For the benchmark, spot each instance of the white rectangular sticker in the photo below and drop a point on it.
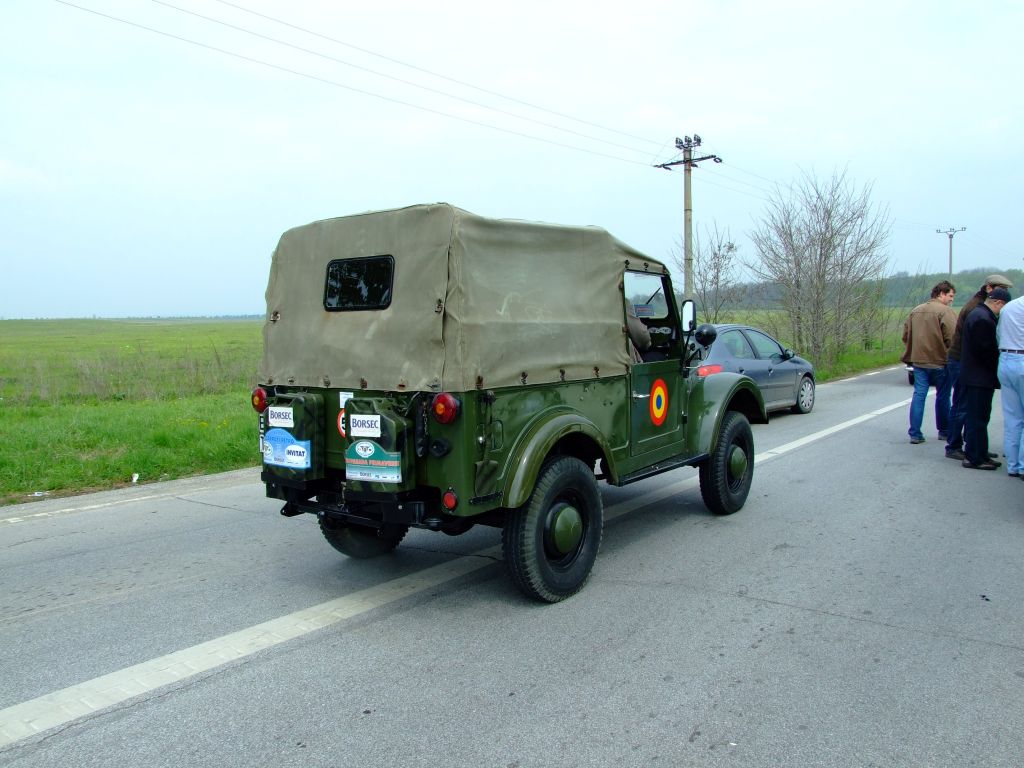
(280, 417)
(344, 397)
(364, 426)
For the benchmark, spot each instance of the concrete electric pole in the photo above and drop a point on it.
(951, 231)
(689, 162)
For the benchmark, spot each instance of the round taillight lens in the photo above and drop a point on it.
(259, 399)
(445, 408)
(450, 500)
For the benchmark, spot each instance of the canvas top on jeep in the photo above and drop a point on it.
(431, 297)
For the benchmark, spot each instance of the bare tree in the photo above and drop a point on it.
(822, 244)
(715, 272)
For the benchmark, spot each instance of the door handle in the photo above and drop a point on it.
(638, 396)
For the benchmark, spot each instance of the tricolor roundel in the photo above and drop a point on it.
(659, 402)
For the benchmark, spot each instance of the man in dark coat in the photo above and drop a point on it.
(979, 364)
(958, 409)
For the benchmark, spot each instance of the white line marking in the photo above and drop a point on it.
(66, 510)
(51, 710)
(60, 707)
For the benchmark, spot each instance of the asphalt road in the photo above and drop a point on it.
(865, 608)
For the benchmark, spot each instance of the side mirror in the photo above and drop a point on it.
(706, 334)
(689, 313)
(788, 354)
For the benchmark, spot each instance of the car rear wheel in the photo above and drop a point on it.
(362, 542)
(726, 475)
(804, 396)
(551, 542)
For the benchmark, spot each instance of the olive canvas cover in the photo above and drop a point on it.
(476, 303)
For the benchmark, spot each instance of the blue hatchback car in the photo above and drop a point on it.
(785, 380)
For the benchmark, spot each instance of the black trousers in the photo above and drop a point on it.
(979, 411)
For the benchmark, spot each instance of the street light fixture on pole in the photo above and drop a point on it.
(951, 231)
(689, 162)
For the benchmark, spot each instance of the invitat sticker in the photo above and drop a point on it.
(281, 449)
(365, 460)
(364, 426)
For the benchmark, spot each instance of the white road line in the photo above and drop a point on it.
(61, 707)
(66, 510)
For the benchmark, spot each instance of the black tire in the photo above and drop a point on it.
(551, 565)
(361, 542)
(804, 396)
(725, 476)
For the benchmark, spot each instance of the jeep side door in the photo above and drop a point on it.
(655, 386)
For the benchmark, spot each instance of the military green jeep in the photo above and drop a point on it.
(429, 368)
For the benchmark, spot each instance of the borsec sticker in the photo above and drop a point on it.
(278, 416)
(364, 425)
(659, 402)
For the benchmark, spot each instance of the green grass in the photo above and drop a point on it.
(52, 362)
(85, 404)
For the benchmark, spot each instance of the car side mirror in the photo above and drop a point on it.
(706, 334)
(788, 354)
(689, 314)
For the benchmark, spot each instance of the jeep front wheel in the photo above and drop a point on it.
(551, 542)
(725, 476)
(361, 542)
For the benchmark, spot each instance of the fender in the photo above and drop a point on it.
(709, 399)
(537, 440)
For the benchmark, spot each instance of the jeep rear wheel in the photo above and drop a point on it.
(725, 476)
(361, 542)
(551, 542)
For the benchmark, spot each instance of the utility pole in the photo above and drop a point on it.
(689, 162)
(951, 231)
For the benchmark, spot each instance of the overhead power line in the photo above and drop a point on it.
(435, 74)
(336, 84)
(386, 76)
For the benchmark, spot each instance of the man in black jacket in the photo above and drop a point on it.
(979, 363)
(958, 408)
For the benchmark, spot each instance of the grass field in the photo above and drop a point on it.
(87, 404)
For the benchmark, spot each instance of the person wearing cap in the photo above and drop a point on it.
(928, 334)
(1011, 379)
(958, 408)
(979, 364)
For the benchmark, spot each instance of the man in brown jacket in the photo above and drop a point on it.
(928, 334)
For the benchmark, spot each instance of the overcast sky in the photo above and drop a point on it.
(143, 175)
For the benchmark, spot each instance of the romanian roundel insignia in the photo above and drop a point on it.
(659, 402)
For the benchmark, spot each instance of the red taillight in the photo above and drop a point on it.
(450, 500)
(259, 399)
(445, 408)
(707, 370)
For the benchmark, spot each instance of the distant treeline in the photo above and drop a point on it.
(898, 290)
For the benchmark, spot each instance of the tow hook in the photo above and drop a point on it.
(290, 510)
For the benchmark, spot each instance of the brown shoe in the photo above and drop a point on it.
(984, 465)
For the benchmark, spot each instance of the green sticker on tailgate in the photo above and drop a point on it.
(365, 460)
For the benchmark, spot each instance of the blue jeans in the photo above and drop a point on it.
(957, 409)
(942, 398)
(1011, 379)
(924, 378)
